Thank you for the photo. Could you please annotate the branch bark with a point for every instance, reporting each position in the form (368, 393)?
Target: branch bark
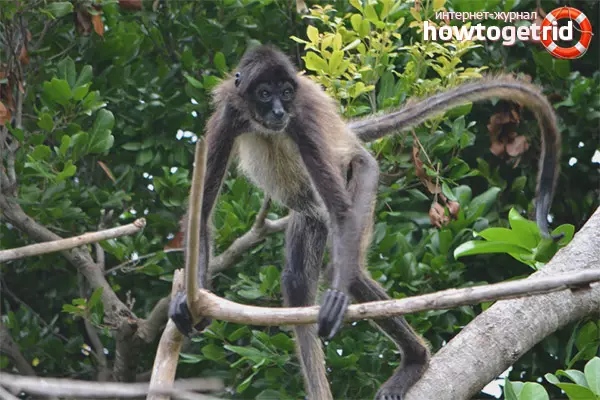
(69, 243)
(209, 305)
(504, 332)
(87, 389)
(169, 347)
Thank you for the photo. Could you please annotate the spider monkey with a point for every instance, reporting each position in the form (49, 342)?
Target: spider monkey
(292, 143)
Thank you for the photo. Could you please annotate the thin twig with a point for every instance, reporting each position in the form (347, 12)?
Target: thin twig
(211, 306)
(89, 389)
(69, 243)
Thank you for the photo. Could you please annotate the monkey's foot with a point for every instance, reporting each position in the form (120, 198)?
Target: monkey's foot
(331, 313)
(181, 316)
(387, 395)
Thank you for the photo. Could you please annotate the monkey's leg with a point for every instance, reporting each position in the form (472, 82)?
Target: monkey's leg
(306, 239)
(415, 354)
(363, 176)
(362, 186)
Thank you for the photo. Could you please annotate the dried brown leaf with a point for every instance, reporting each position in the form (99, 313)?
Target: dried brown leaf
(4, 114)
(130, 4)
(98, 24)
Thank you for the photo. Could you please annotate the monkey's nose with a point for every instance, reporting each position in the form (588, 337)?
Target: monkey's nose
(279, 113)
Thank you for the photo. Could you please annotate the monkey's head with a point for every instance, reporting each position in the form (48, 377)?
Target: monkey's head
(266, 79)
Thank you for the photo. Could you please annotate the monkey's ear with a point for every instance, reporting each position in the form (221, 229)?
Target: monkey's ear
(237, 79)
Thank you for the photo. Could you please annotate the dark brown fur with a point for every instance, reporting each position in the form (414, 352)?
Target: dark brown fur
(317, 167)
(503, 87)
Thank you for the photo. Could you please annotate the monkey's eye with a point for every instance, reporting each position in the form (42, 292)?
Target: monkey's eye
(264, 95)
(287, 94)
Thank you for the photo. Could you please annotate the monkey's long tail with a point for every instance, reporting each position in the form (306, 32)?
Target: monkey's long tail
(506, 88)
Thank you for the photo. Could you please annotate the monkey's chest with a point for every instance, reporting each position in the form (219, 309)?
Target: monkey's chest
(273, 163)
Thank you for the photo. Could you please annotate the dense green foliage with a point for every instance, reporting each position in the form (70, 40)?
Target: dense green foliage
(109, 122)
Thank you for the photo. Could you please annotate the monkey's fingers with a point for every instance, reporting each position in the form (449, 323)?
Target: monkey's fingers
(331, 313)
(180, 313)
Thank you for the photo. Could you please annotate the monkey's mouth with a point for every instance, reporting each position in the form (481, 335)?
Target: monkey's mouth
(277, 125)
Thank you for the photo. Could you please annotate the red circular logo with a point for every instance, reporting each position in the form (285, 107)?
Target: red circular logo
(585, 27)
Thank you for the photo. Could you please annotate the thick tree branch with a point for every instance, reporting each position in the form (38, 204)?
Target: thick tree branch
(86, 389)
(11, 350)
(210, 305)
(69, 243)
(504, 332)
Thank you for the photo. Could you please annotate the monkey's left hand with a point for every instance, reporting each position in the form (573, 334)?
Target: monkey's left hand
(181, 316)
(331, 313)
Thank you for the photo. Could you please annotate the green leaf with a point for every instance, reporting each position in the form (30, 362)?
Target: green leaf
(59, 9)
(313, 34)
(95, 297)
(68, 171)
(144, 157)
(268, 394)
(356, 20)
(592, 375)
(371, 14)
(249, 352)
(574, 375)
(85, 76)
(80, 143)
(335, 61)
(502, 235)
(213, 352)
(526, 230)
(58, 90)
(81, 91)
(66, 70)
(589, 334)
(480, 247)
(283, 342)
(552, 379)
(238, 333)
(41, 152)
(100, 135)
(65, 143)
(481, 204)
(545, 250)
(533, 391)
(244, 385)
(45, 122)
(193, 81)
(315, 63)
(356, 4)
(219, 61)
(576, 392)
(568, 230)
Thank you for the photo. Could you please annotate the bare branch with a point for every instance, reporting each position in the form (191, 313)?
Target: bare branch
(498, 337)
(259, 231)
(210, 305)
(87, 389)
(6, 395)
(150, 327)
(194, 221)
(167, 354)
(69, 243)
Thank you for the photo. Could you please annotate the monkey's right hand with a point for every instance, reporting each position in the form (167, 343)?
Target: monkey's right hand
(181, 316)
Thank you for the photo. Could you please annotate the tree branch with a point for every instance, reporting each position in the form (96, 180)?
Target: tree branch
(81, 389)
(69, 243)
(167, 353)
(11, 349)
(498, 337)
(212, 306)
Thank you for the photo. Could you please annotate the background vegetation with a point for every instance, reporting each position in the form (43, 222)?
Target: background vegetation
(115, 93)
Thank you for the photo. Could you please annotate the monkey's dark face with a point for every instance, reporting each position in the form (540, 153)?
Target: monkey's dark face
(272, 103)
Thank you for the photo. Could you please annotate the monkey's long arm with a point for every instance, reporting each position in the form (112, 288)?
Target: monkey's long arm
(506, 88)
(344, 223)
(220, 137)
